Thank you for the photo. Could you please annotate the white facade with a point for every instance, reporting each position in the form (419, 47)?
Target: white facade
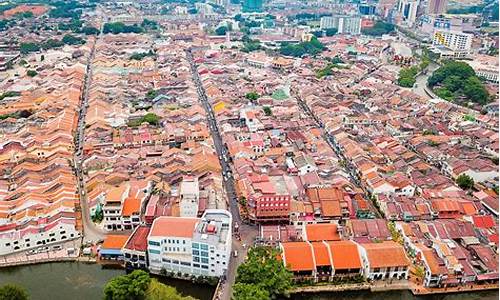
(205, 252)
(407, 10)
(344, 24)
(454, 40)
(190, 197)
(30, 237)
(371, 273)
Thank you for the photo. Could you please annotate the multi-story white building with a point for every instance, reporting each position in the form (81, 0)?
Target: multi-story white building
(385, 260)
(36, 234)
(189, 197)
(194, 246)
(344, 24)
(455, 40)
(407, 11)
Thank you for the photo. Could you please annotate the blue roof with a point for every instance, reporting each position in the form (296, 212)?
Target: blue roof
(105, 251)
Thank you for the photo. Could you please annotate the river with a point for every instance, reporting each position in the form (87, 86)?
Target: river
(80, 281)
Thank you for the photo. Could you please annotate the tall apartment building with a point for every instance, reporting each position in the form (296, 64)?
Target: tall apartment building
(452, 44)
(344, 24)
(436, 7)
(194, 246)
(407, 11)
(454, 40)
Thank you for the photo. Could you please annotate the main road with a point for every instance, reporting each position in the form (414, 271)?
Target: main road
(90, 231)
(247, 232)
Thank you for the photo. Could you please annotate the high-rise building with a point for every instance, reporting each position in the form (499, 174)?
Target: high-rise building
(436, 7)
(407, 11)
(454, 40)
(344, 24)
(252, 5)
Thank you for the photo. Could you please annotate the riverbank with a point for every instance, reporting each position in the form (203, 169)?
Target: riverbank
(416, 290)
(81, 280)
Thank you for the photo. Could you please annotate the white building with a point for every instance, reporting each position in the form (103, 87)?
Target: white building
(454, 40)
(407, 11)
(385, 260)
(190, 197)
(344, 24)
(194, 246)
(32, 235)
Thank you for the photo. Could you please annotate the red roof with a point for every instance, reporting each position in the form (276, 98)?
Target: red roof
(322, 232)
(298, 256)
(345, 255)
(138, 241)
(483, 221)
(173, 226)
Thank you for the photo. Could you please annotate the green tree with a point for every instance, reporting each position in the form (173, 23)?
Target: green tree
(465, 181)
(151, 118)
(263, 270)
(267, 111)
(221, 30)
(70, 39)
(159, 291)
(252, 96)
(475, 90)
(331, 31)
(89, 30)
(151, 94)
(13, 292)
(127, 287)
(31, 73)
(380, 28)
(243, 291)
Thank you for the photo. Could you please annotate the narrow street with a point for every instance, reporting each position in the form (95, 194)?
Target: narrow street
(247, 232)
(330, 141)
(90, 231)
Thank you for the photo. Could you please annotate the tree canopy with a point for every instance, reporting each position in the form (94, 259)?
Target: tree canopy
(456, 79)
(159, 291)
(380, 28)
(312, 47)
(221, 30)
(119, 27)
(13, 292)
(465, 181)
(262, 275)
(331, 31)
(125, 287)
(139, 286)
(407, 77)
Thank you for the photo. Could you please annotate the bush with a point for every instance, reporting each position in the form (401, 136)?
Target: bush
(31, 73)
(380, 28)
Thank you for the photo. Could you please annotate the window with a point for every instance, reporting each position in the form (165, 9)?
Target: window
(204, 267)
(196, 265)
(204, 260)
(204, 247)
(196, 252)
(153, 243)
(152, 251)
(196, 259)
(204, 254)
(196, 246)
(176, 262)
(185, 263)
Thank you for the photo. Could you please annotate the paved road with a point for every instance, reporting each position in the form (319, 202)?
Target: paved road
(247, 232)
(90, 231)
